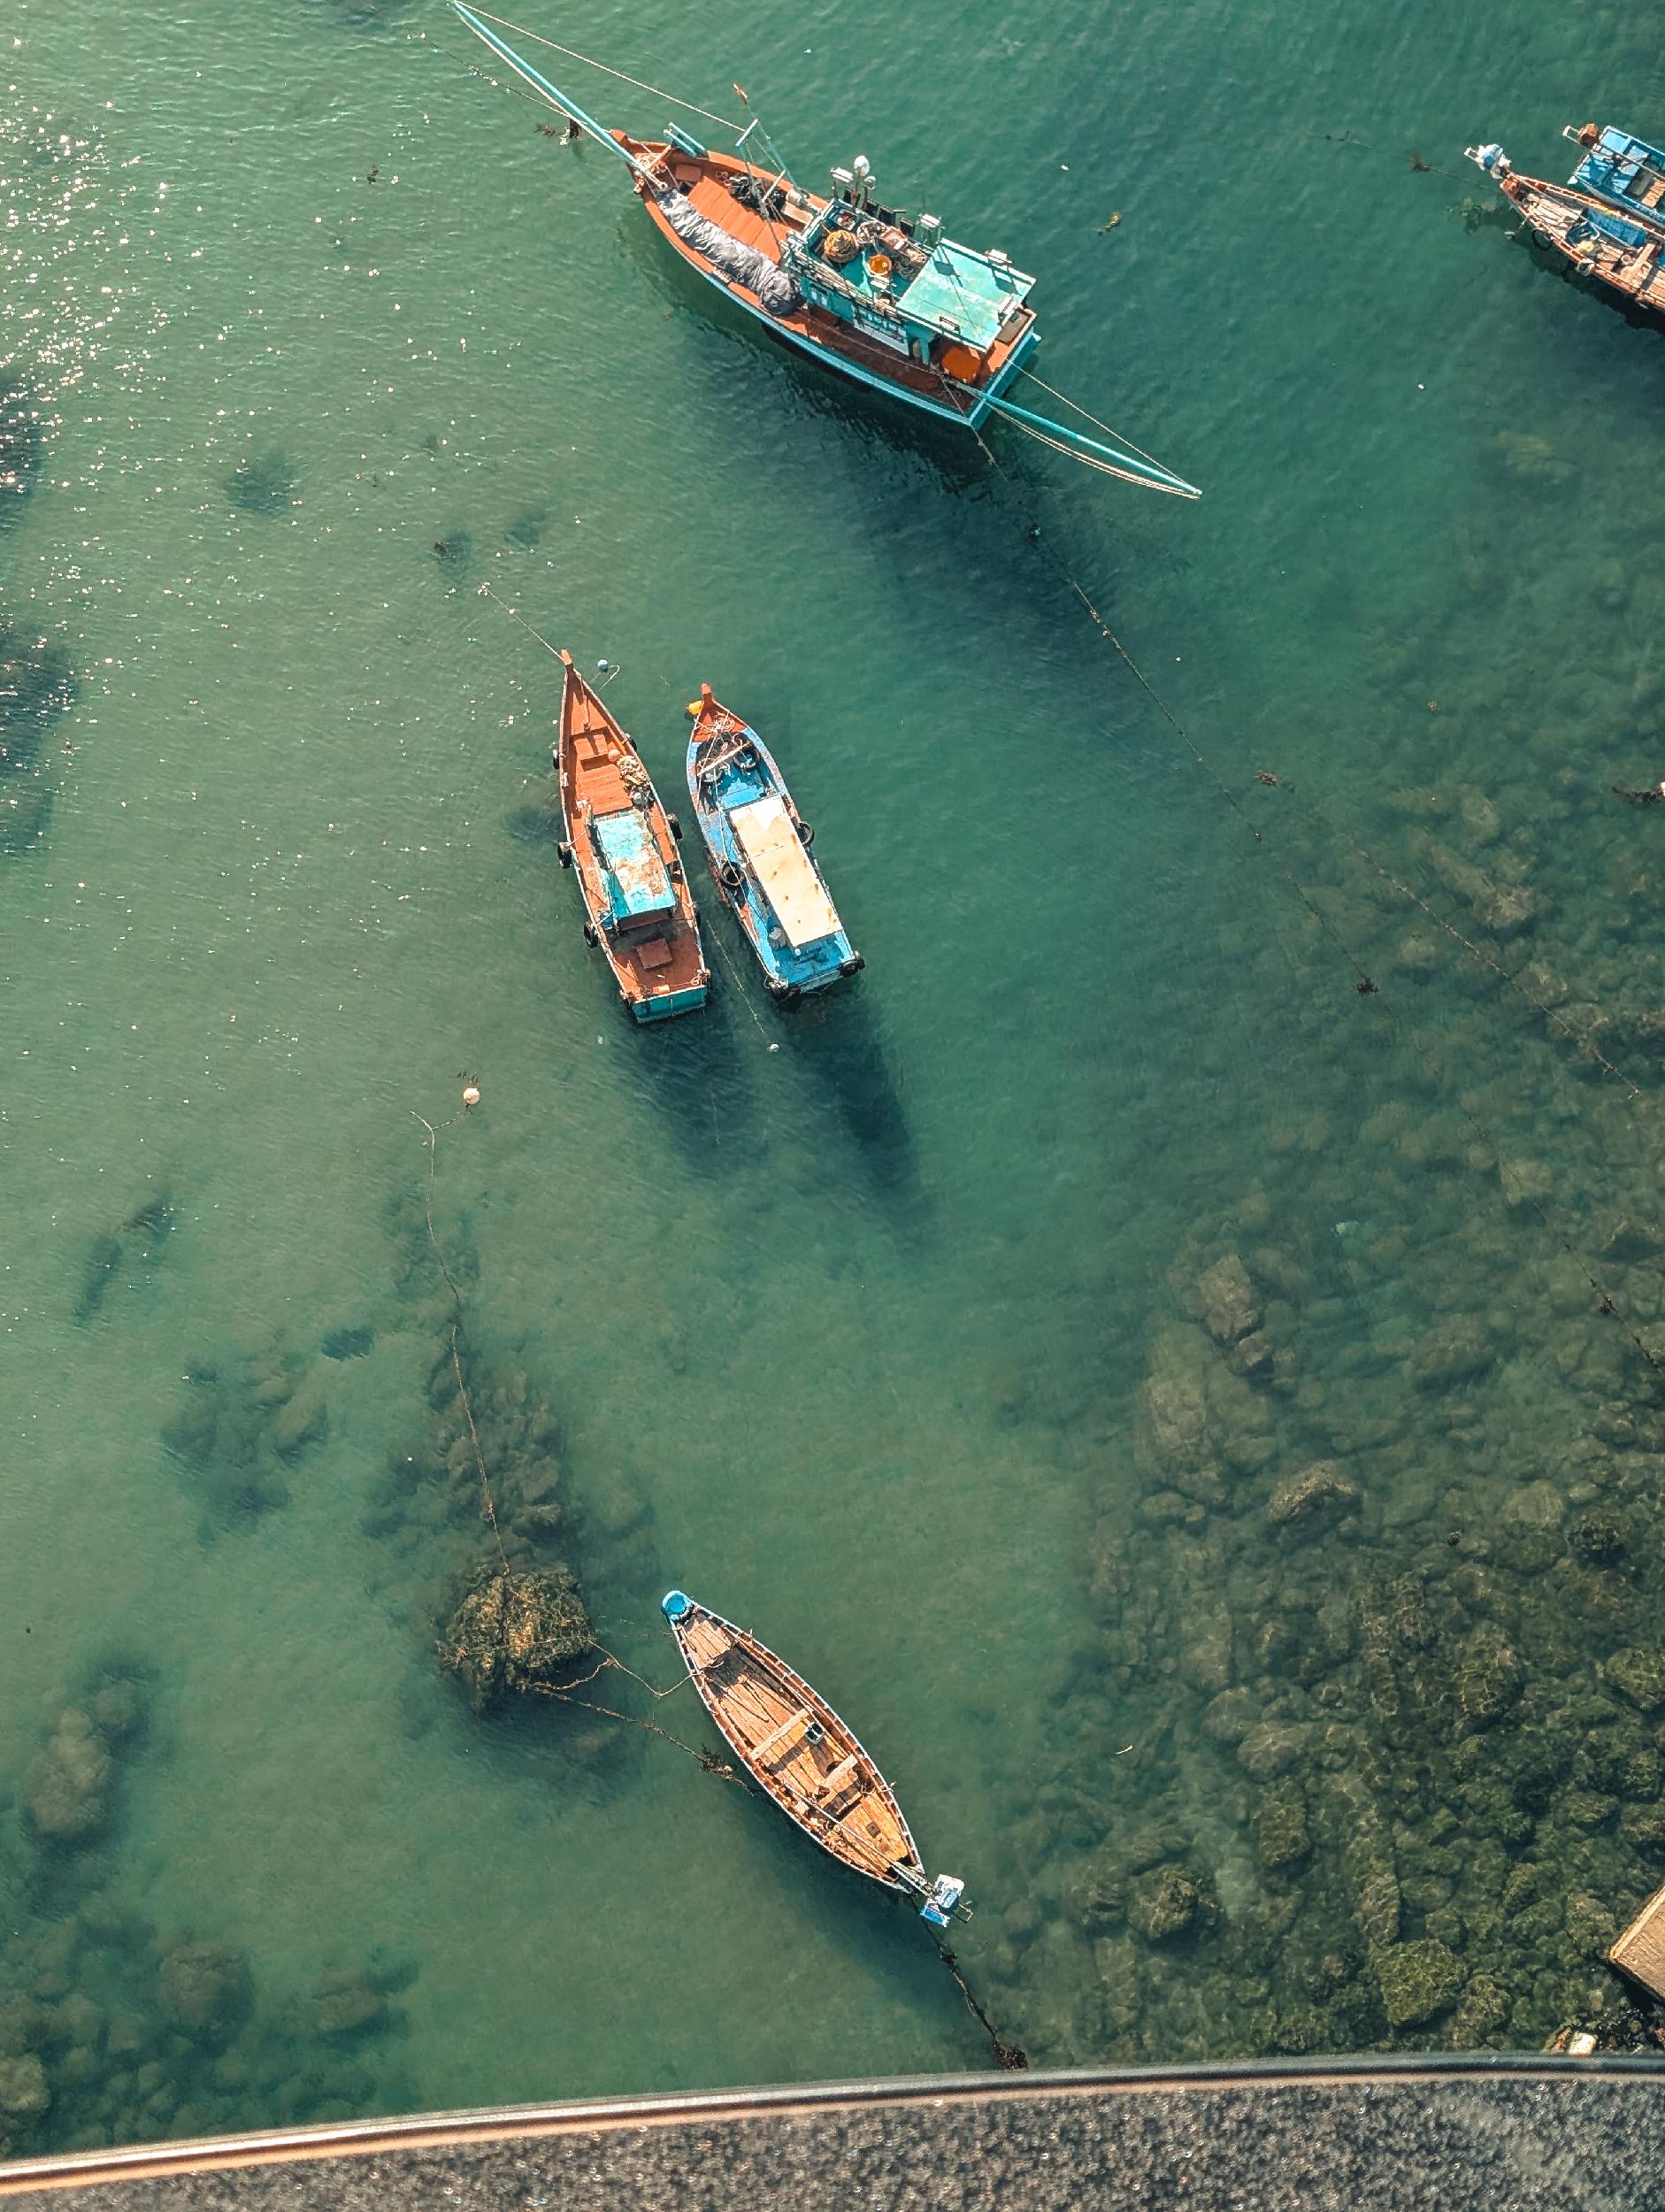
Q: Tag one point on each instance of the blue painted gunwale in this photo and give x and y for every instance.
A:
(815, 968)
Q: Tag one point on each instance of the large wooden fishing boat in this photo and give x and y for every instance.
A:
(800, 1753)
(622, 846)
(759, 846)
(870, 289)
(1580, 222)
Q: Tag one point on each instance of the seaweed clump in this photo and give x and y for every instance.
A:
(513, 1632)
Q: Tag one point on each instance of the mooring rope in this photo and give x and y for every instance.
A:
(1364, 984)
(572, 54)
(1009, 2056)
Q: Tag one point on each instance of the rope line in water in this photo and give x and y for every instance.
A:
(1365, 984)
(1008, 2056)
(456, 1363)
(572, 54)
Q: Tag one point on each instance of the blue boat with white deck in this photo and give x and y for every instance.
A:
(758, 846)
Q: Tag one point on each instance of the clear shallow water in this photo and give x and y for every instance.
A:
(886, 1342)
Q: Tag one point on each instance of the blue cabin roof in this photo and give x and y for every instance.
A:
(1622, 168)
(928, 288)
(638, 883)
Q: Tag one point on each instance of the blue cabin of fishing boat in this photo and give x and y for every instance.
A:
(899, 282)
(1627, 171)
(639, 886)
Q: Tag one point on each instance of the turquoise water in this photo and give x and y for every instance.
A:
(879, 1327)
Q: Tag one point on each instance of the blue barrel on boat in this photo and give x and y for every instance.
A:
(673, 1605)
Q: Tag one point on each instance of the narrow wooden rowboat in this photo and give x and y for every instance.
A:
(758, 846)
(1622, 253)
(799, 1752)
(622, 844)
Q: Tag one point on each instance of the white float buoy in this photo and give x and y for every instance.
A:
(471, 1096)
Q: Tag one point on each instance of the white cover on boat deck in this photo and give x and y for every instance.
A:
(776, 855)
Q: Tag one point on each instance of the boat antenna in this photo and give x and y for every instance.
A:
(485, 15)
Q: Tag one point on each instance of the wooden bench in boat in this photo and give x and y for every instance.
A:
(774, 1744)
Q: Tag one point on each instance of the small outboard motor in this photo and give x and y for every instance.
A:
(1493, 159)
(942, 1900)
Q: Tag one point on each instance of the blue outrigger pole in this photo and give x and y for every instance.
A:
(539, 82)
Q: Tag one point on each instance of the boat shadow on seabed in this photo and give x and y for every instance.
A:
(836, 1041)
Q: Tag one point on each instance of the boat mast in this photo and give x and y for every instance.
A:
(541, 84)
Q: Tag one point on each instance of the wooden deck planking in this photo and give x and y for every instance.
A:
(766, 1714)
(1641, 1951)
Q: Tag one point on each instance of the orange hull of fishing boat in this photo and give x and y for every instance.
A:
(795, 1747)
(621, 845)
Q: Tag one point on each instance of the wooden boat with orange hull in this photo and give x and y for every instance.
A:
(622, 846)
(873, 291)
(800, 1754)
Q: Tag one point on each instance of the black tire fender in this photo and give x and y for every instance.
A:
(730, 878)
(563, 854)
(592, 935)
(806, 831)
(675, 827)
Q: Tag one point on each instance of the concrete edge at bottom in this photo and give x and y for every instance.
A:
(434, 2131)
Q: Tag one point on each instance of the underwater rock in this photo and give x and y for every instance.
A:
(300, 1420)
(1505, 909)
(1280, 1825)
(1269, 1749)
(346, 2004)
(1226, 1297)
(1456, 1351)
(1164, 1903)
(1322, 1484)
(512, 1630)
(342, 1344)
(146, 1230)
(262, 484)
(1483, 2010)
(1639, 1675)
(66, 1795)
(1587, 1809)
(1597, 1536)
(1254, 1357)
(1591, 1927)
(1416, 1979)
(1098, 1899)
(1489, 1676)
(1527, 455)
(24, 2090)
(205, 1992)
(1229, 1717)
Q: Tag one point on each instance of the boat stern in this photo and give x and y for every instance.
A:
(943, 1902)
(666, 1006)
(1491, 158)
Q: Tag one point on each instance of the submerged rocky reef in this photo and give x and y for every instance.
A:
(114, 2030)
